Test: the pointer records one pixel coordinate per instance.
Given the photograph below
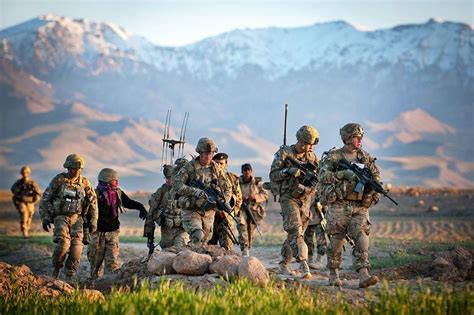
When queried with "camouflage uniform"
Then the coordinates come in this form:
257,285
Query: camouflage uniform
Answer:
348,211
246,227
315,229
64,203
220,235
295,198
104,246
164,211
26,193
197,222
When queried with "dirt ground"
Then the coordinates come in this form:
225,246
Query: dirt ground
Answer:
414,219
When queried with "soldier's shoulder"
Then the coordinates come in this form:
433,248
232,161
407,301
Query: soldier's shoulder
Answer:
283,151
258,179
234,176
86,182
59,178
365,155
331,154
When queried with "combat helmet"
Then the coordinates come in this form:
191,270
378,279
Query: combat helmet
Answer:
107,175
351,130
308,135
74,161
25,169
168,170
206,145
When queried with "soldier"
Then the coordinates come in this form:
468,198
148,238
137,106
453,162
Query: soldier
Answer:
197,213
26,193
164,211
253,198
316,227
105,241
223,234
67,200
295,198
348,211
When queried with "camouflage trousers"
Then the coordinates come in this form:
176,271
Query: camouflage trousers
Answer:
295,221
104,247
220,234
67,235
199,225
313,232
26,210
309,239
347,218
246,230
175,236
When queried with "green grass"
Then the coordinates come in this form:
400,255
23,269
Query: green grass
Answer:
241,297
415,245
13,242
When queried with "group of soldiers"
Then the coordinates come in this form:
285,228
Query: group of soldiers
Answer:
200,201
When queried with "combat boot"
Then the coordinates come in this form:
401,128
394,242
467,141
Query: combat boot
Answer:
334,278
245,252
304,269
56,273
284,269
316,263
366,280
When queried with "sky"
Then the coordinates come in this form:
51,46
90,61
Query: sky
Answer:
178,22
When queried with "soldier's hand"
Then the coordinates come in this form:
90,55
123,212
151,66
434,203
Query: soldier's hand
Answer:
294,171
324,223
46,225
143,214
199,193
93,228
347,175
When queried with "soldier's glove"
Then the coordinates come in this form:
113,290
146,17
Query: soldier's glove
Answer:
199,193
324,223
293,171
347,175
143,214
46,225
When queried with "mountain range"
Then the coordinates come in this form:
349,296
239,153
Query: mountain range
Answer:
93,88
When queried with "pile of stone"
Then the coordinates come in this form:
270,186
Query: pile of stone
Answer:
454,265
209,260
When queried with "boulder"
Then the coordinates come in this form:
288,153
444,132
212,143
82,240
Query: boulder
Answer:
227,266
191,263
161,263
253,269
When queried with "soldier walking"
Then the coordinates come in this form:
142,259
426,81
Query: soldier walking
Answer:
197,213
67,200
295,197
253,198
223,223
26,193
348,210
112,200
165,212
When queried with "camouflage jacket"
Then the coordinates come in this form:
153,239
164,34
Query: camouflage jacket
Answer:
236,190
286,185
26,191
163,210
212,176
65,196
333,188
254,188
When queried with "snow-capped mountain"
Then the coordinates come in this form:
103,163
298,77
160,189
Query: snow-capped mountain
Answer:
408,85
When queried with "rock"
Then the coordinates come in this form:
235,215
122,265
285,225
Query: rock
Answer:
253,269
227,266
161,263
421,202
190,263
462,259
93,295
439,262
433,209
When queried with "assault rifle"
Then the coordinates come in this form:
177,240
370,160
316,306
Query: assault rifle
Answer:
224,222
309,171
366,179
215,199
249,214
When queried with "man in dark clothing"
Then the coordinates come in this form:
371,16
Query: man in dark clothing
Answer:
105,241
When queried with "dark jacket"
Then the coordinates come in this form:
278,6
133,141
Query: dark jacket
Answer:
106,222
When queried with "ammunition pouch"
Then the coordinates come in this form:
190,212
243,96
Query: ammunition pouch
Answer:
370,199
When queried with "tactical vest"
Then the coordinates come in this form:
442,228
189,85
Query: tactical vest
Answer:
70,197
